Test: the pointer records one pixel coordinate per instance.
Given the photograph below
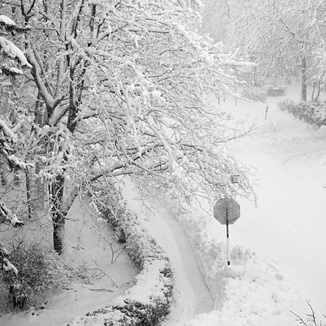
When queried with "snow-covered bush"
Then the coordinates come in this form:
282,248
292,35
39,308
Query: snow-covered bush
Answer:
311,112
255,93
36,272
148,301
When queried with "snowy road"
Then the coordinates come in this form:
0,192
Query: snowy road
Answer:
192,296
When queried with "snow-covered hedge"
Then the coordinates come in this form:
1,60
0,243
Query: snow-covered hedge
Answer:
311,112
148,301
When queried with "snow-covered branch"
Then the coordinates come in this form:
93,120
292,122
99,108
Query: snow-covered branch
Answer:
12,51
7,131
5,263
8,266
7,215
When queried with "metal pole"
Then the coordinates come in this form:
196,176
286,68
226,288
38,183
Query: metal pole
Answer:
227,236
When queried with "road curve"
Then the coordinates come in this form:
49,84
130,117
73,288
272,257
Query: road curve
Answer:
192,296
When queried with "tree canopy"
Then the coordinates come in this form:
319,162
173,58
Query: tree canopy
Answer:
285,38
120,88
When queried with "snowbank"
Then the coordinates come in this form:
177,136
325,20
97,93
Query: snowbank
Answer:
251,291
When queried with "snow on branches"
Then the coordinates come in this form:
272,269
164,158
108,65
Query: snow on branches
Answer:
7,215
8,266
5,263
7,138
140,96
7,132
12,51
9,49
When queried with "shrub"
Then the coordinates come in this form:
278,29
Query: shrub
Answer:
38,271
310,112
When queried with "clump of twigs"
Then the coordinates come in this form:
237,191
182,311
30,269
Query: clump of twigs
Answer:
312,317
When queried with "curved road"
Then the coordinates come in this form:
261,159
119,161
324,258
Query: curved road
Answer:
192,296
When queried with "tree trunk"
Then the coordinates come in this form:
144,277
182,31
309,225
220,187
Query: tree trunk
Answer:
40,190
58,215
303,79
316,91
35,187
58,230
28,181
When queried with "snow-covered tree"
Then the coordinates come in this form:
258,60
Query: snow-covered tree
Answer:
217,19
284,37
126,88
13,61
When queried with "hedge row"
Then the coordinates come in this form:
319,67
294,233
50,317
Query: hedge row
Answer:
311,112
148,301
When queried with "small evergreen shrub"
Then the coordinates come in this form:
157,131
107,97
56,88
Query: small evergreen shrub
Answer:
255,94
310,112
38,271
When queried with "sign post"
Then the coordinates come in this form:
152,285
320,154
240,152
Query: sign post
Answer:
227,211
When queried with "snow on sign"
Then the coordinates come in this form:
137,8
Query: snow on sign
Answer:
226,211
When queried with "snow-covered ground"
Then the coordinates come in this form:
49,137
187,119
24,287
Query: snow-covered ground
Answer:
278,259
289,224
287,229
102,271
278,249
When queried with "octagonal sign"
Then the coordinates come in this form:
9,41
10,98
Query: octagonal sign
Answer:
226,210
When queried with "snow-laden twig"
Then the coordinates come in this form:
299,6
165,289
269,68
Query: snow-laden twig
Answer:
106,274
7,215
7,131
312,316
115,253
6,20
8,266
12,51
17,162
